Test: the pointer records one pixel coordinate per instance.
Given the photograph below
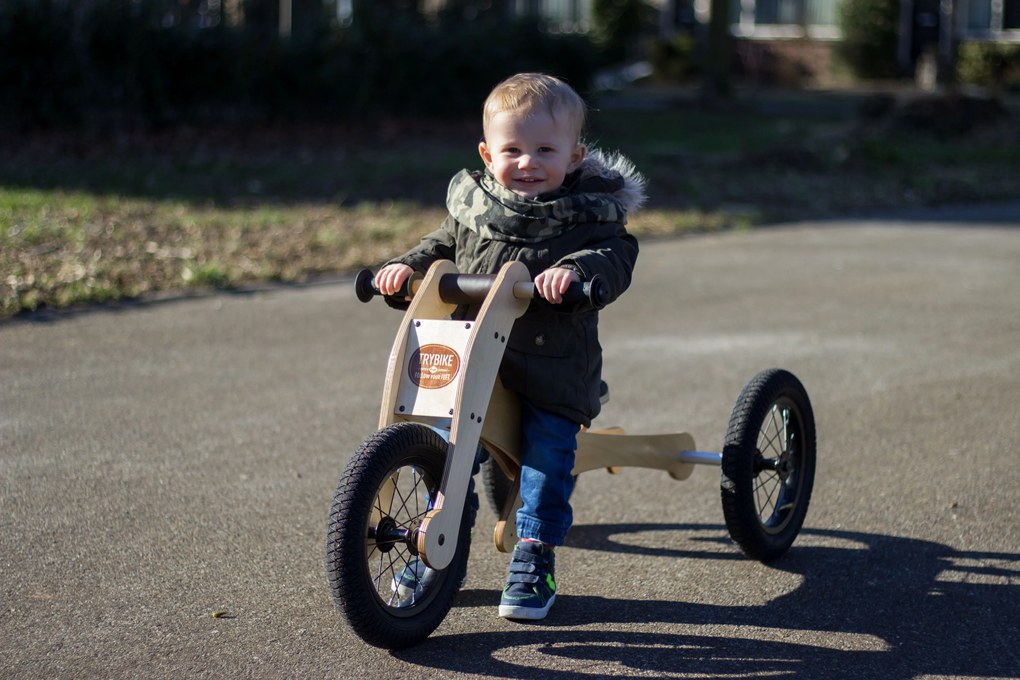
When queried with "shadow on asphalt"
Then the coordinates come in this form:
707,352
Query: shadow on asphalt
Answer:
876,606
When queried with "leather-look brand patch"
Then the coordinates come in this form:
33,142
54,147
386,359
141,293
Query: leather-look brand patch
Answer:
432,367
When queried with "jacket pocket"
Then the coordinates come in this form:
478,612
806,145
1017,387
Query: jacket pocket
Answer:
546,361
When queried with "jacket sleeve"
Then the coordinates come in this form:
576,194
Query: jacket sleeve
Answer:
610,256
441,244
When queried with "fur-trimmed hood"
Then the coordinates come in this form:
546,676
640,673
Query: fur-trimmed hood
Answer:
610,165
603,190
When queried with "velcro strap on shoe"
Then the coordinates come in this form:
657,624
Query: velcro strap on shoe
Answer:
530,579
525,556
526,567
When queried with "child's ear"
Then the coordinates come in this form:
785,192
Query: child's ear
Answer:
483,151
580,151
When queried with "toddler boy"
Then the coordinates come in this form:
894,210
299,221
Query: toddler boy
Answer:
546,200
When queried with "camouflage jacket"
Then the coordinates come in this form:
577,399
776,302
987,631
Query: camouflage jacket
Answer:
553,356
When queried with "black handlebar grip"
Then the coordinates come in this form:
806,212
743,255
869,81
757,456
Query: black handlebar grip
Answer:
595,292
364,286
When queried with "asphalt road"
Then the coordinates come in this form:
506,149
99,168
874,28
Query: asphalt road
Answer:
160,462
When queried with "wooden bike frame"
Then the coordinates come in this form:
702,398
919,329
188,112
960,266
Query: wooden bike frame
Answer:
443,373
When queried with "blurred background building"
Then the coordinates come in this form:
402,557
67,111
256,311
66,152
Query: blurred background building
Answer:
113,62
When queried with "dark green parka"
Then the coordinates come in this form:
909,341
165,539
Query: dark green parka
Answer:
553,356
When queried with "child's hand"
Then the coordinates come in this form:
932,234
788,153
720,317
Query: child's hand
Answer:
553,283
390,278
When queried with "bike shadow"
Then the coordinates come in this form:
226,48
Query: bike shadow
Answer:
868,605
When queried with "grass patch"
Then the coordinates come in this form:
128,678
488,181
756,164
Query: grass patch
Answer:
58,249
95,219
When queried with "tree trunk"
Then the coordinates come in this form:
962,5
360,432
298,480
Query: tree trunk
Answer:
716,82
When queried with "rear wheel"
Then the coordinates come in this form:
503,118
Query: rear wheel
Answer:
378,582
496,485
768,464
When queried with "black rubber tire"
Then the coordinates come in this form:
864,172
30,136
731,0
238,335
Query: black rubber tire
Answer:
768,464
361,564
496,485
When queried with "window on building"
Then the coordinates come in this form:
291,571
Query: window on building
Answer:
567,16
990,19
785,18
1011,15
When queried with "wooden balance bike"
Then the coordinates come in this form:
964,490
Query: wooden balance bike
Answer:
398,534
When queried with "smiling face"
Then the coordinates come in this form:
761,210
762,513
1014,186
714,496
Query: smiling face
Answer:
530,154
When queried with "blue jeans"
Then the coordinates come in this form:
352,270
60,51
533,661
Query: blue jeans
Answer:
548,442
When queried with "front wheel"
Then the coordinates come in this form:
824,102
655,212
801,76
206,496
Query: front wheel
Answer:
384,591
768,464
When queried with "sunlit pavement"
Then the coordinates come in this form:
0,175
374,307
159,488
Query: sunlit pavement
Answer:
165,462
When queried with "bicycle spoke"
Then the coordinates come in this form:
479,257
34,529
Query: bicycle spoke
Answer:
772,431
774,473
766,492
406,493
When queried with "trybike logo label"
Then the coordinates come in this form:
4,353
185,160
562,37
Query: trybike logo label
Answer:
433,366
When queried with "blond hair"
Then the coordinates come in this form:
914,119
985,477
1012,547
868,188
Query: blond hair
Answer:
525,93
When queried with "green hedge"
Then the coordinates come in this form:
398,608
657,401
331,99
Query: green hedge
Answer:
675,60
870,35
989,64
65,63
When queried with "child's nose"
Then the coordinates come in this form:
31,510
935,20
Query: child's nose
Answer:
526,161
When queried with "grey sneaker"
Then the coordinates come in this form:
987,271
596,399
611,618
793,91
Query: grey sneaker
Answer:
411,582
530,585
414,580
